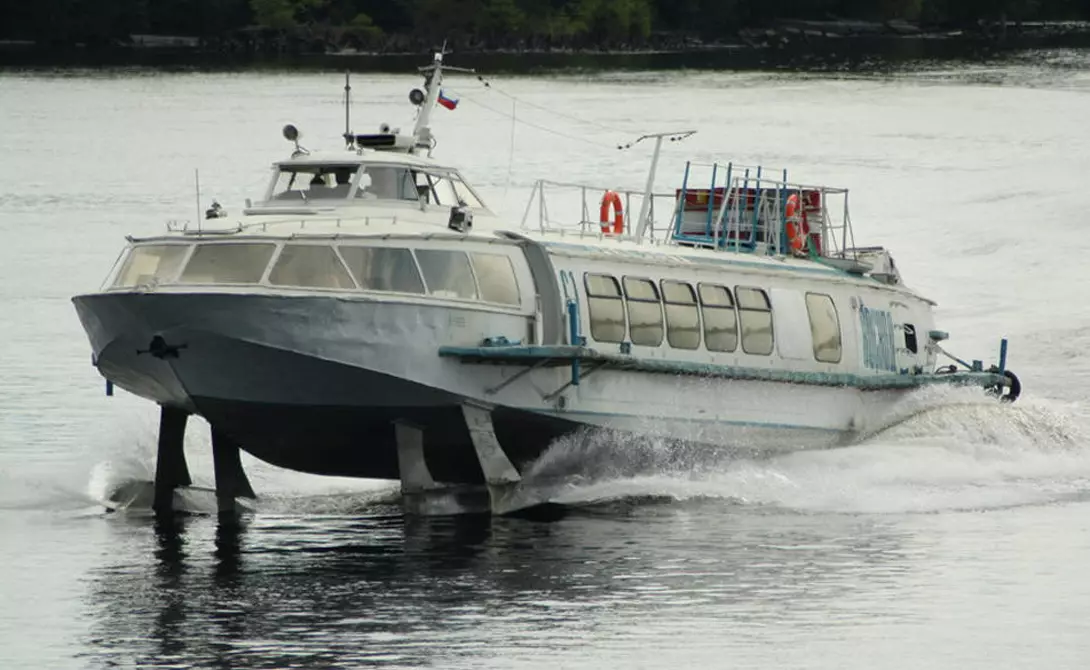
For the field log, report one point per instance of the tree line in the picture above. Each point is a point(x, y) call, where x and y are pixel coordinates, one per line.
point(485, 24)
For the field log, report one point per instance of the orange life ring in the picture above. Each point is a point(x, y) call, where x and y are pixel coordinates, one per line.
point(797, 228)
point(616, 226)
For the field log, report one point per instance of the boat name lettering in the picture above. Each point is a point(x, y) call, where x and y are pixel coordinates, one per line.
point(878, 348)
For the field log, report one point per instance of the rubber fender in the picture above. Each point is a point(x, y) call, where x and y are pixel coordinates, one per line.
point(1014, 390)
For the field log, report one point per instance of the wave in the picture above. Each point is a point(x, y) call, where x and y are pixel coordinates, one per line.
point(929, 458)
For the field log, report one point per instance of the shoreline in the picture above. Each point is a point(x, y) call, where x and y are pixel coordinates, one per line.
point(786, 45)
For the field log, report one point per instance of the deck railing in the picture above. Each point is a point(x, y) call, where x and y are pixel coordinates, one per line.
point(719, 206)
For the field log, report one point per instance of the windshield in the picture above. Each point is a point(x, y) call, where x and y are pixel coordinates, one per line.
point(314, 182)
point(374, 181)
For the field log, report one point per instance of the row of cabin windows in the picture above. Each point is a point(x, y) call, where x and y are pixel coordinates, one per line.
point(710, 313)
point(438, 272)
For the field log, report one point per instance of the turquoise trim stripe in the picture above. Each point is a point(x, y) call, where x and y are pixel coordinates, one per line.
point(643, 417)
point(529, 355)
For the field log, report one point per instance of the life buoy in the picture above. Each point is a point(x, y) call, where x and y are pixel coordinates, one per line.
point(797, 229)
point(615, 224)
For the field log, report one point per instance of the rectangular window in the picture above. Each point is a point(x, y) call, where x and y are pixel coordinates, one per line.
point(447, 273)
point(911, 343)
point(152, 264)
point(682, 319)
point(644, 312)
point(824, 327)
point(227, 263)
point(309, 265)
point(387, 182)
point(720, 323)
point(496, 277)
point(383, 269)
point(606, 308)
point(755, 315)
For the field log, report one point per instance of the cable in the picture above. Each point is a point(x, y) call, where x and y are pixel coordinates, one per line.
point(508, 115)
point(487, 84)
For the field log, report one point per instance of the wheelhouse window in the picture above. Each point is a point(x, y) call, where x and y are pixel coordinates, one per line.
point(644, 311)
point(151, 264)
point(720, 323)
point(496, 278)
point(383, 269)
point(755, 315)
point(388, 182)
point(309, 265)
point(682, 319)
point(606, 308)
point(233, 263)
point(447, 273)
point(824, 327)
point(314, 182)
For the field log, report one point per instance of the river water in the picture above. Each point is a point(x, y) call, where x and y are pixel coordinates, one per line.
point(958, 538)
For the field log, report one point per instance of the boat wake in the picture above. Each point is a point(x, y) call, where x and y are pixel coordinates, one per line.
point(958, 456)
point(939, 452)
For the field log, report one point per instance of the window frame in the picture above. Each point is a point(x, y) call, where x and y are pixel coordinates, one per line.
point(428, 291)
point(733, 310)
point(385, 247)
point(261, 280)
point(695, 305)
point(591, 297)
point(477, 279)
point(743, 310)
point(267, 277)
point(121, 265)
point(625, 279)
point(813, 335)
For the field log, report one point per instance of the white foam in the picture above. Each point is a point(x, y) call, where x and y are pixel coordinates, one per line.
point(981, 455)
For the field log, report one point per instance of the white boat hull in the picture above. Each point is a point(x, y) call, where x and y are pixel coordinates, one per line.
point(316, 384)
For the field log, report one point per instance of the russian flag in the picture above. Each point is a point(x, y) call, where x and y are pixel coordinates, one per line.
point(449, 103)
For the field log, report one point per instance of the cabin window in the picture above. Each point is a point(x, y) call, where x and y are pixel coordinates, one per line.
point(436, 189)
point(755, 315)
point(644, 312)
point(227, 263)
point(911, 343)
point(447, 273)
point(824, 327)
point(309, 265)
point(720, 323)
point(383, 269)
point(496, 278)
point(606, 308)
point(682, 319)
point(388, 182)
point(465, 194)
point(314, 182)
point(151, 264)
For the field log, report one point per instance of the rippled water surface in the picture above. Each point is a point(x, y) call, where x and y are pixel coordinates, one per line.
point(957, 538)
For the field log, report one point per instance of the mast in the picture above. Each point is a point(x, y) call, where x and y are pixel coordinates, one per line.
point(433, 79)
point(433, 83)
point(347, 110)
point(645, 207)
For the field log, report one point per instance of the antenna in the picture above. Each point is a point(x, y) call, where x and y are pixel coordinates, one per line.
point(347, 111)
point(197, 181)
